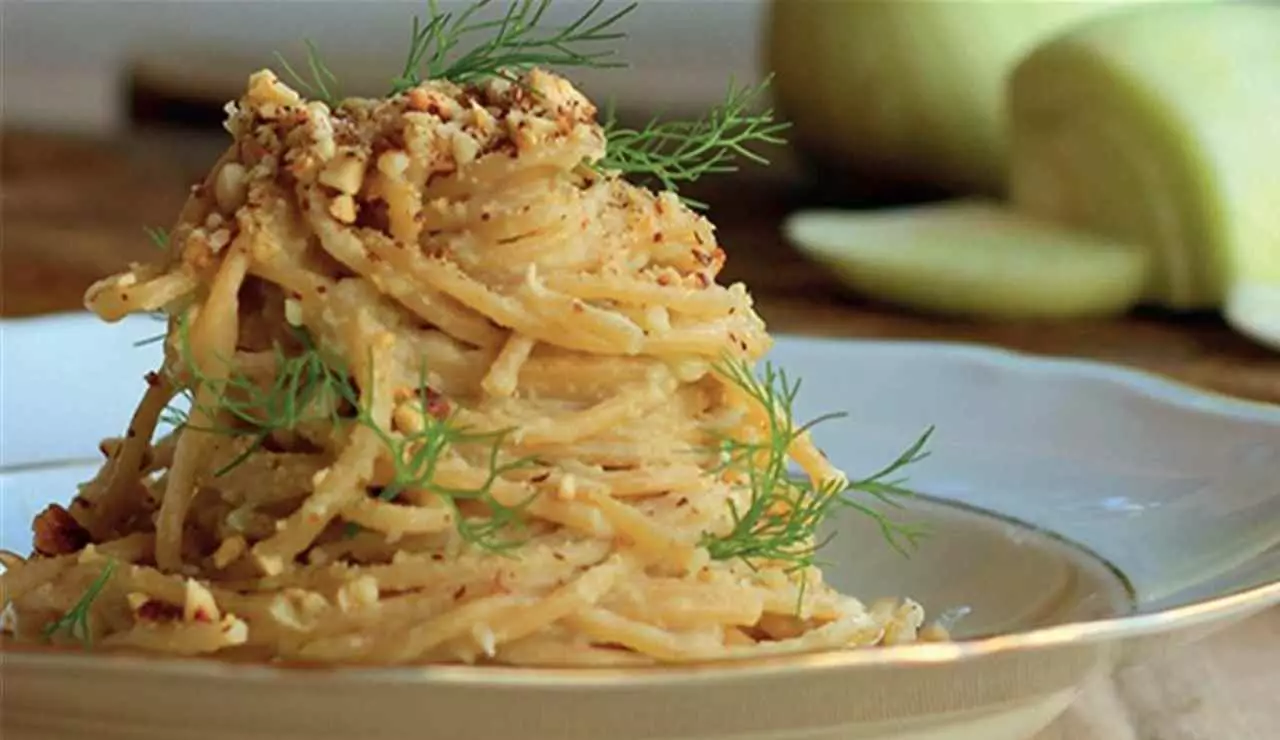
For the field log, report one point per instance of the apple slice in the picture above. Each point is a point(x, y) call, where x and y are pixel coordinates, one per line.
point(1160, 128)
point(909, 92)
point(1254, 310)
point(972, 258)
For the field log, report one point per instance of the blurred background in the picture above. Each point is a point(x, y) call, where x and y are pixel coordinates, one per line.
point(77, 65)
point(112, 108)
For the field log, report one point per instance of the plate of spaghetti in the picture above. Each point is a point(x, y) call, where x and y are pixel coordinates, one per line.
point(451, 428)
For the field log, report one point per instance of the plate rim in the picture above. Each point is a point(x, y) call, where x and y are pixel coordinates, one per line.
point(1147, 384)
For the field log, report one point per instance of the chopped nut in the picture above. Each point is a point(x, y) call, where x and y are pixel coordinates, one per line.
point(393, 163)
point(234, 631)
point(419, 99)
point(343, 208)
point(200, 605)
point(231, 187)
point(934, 633)
point(154, 610)
point(229, 551)
point(362, 591)
point(219, 239)
point(345, 172)
point(568, 489)
point(465, 148)
point(135, 600)
point(265, 88)
point(58, 533)
point(293, 312)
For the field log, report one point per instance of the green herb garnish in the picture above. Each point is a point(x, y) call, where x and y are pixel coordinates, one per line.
point(780, 522)
point(158, 236)
point(674, 152)
point(153, 338)
point(311, 386)
point(416, 456)
point(306, 388)
point(323, 84)
point(515, 42)
point(76, 621)
point(669, 152)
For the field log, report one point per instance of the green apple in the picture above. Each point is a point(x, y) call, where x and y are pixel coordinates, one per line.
point(906, 94)
point(972, 258)
point(1161, 128)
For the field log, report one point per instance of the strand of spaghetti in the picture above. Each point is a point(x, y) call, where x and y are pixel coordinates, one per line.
point(396, 520)
point(213, 337)
point(546, 222)
point(629, 405)
point(504, 373)
point(270, 477)
point(157, 456)
point(562, 313)
point(280, 269)
point(710, 302)
point(576, 377)
point(646, 481)
point(580, 593)
point(180, 638)
point(605, 627)
point(117, 296)
point(802, 450)
point(543, 563)
point(575, 515)
point(397, 180)
point(814, 605)
point(344, 481)
point(641, 533)
point(813, 462)
point(113, 494)
point(624, 448)
point(151, 289)
point(492, 170)
point(613, 335)
point(528, 224)
point(851, 631)
point(554, 651)
point(16, 582)
point(680, 604)
point(394, 271)
point(368, 548)
point(634, 216)
point(707, 340)
point(456, 368)
point(366, 258)
point(337, 486)
point(419, 639)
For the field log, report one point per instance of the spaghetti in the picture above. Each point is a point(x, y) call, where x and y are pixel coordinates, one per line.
point(454, 393)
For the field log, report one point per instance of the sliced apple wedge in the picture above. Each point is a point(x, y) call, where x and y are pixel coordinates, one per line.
point(1254, 310)
point(972, 258)
point(1160, 127)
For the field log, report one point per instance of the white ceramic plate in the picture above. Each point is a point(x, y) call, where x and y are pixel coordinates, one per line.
point(1083, 515)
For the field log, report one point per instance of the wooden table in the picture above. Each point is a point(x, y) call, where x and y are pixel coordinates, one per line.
point(73, 210)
